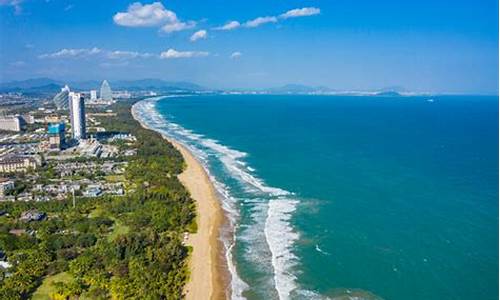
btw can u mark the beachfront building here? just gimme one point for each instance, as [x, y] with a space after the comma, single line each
[106, 93]
[12, 123]
[77, 115]
[61, 100]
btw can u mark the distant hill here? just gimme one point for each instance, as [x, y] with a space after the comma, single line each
[388, 94]
[322, 90]
[298, 89]
[29, 84]
[51, 85]
[156, 84]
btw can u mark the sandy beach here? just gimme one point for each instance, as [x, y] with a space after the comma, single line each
[207, 279]
[207, 267]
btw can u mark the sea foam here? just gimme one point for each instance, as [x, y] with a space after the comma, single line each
[270, 236]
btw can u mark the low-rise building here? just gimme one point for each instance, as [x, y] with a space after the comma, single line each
[32, 215]
[24, 197]
[92, 191]
[17, 232]
[5, 264]
[28, 118]
[8, 199]
[5, 186]
[16, 163]
[12, 123]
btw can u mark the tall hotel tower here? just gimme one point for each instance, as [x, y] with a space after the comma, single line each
[77, 115]
[106, 93]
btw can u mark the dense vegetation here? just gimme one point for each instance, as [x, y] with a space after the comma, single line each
[127, 247]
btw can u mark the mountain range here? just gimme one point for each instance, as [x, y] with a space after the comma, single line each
[49, 86]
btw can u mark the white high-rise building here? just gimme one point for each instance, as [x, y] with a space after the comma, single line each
[77, 115]
[106, 93]
[61, 99]
[93, 95]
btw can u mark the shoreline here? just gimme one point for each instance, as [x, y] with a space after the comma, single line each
[208, 272]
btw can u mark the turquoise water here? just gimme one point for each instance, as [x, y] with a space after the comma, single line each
[345, 197]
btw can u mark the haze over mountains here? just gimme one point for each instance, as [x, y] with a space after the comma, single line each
[48, 85]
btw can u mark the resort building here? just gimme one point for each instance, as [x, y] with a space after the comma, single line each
[106, 93]
[61, 100]
[12, 123]
[77, 115]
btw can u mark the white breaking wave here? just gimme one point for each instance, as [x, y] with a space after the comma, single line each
[271, 208]
[281, 238]
[146, 112]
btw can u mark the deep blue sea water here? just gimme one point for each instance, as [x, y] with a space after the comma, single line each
[345, 197]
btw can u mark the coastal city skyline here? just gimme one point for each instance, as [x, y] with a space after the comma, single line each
[420, 47]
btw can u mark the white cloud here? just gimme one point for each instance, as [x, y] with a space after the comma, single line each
[178, 26]
[16, 4]
[152, 15]
[260, 21]
[236, 55]
[300, 12]
[172, 53]
[147, 15]
[118, 54]
[293, 13]
[18, 63]
[200, 34]
[110, 58]
[229, 26]
[72, 53]
[96, 52]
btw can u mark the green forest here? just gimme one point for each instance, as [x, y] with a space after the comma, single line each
[109, 247]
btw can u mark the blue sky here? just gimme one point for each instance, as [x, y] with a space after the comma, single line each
[434, 46]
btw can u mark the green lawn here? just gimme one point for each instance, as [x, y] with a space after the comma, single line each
[47, 288]
[118, 229]
[97, 212]
[115, 178]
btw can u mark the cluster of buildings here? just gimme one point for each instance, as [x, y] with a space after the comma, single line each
[58, 140]
[16, 153]
[75, 102]
[88, 179]
[68, 169]
[62, 99]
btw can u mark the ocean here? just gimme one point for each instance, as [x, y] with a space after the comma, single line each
[337, 197]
